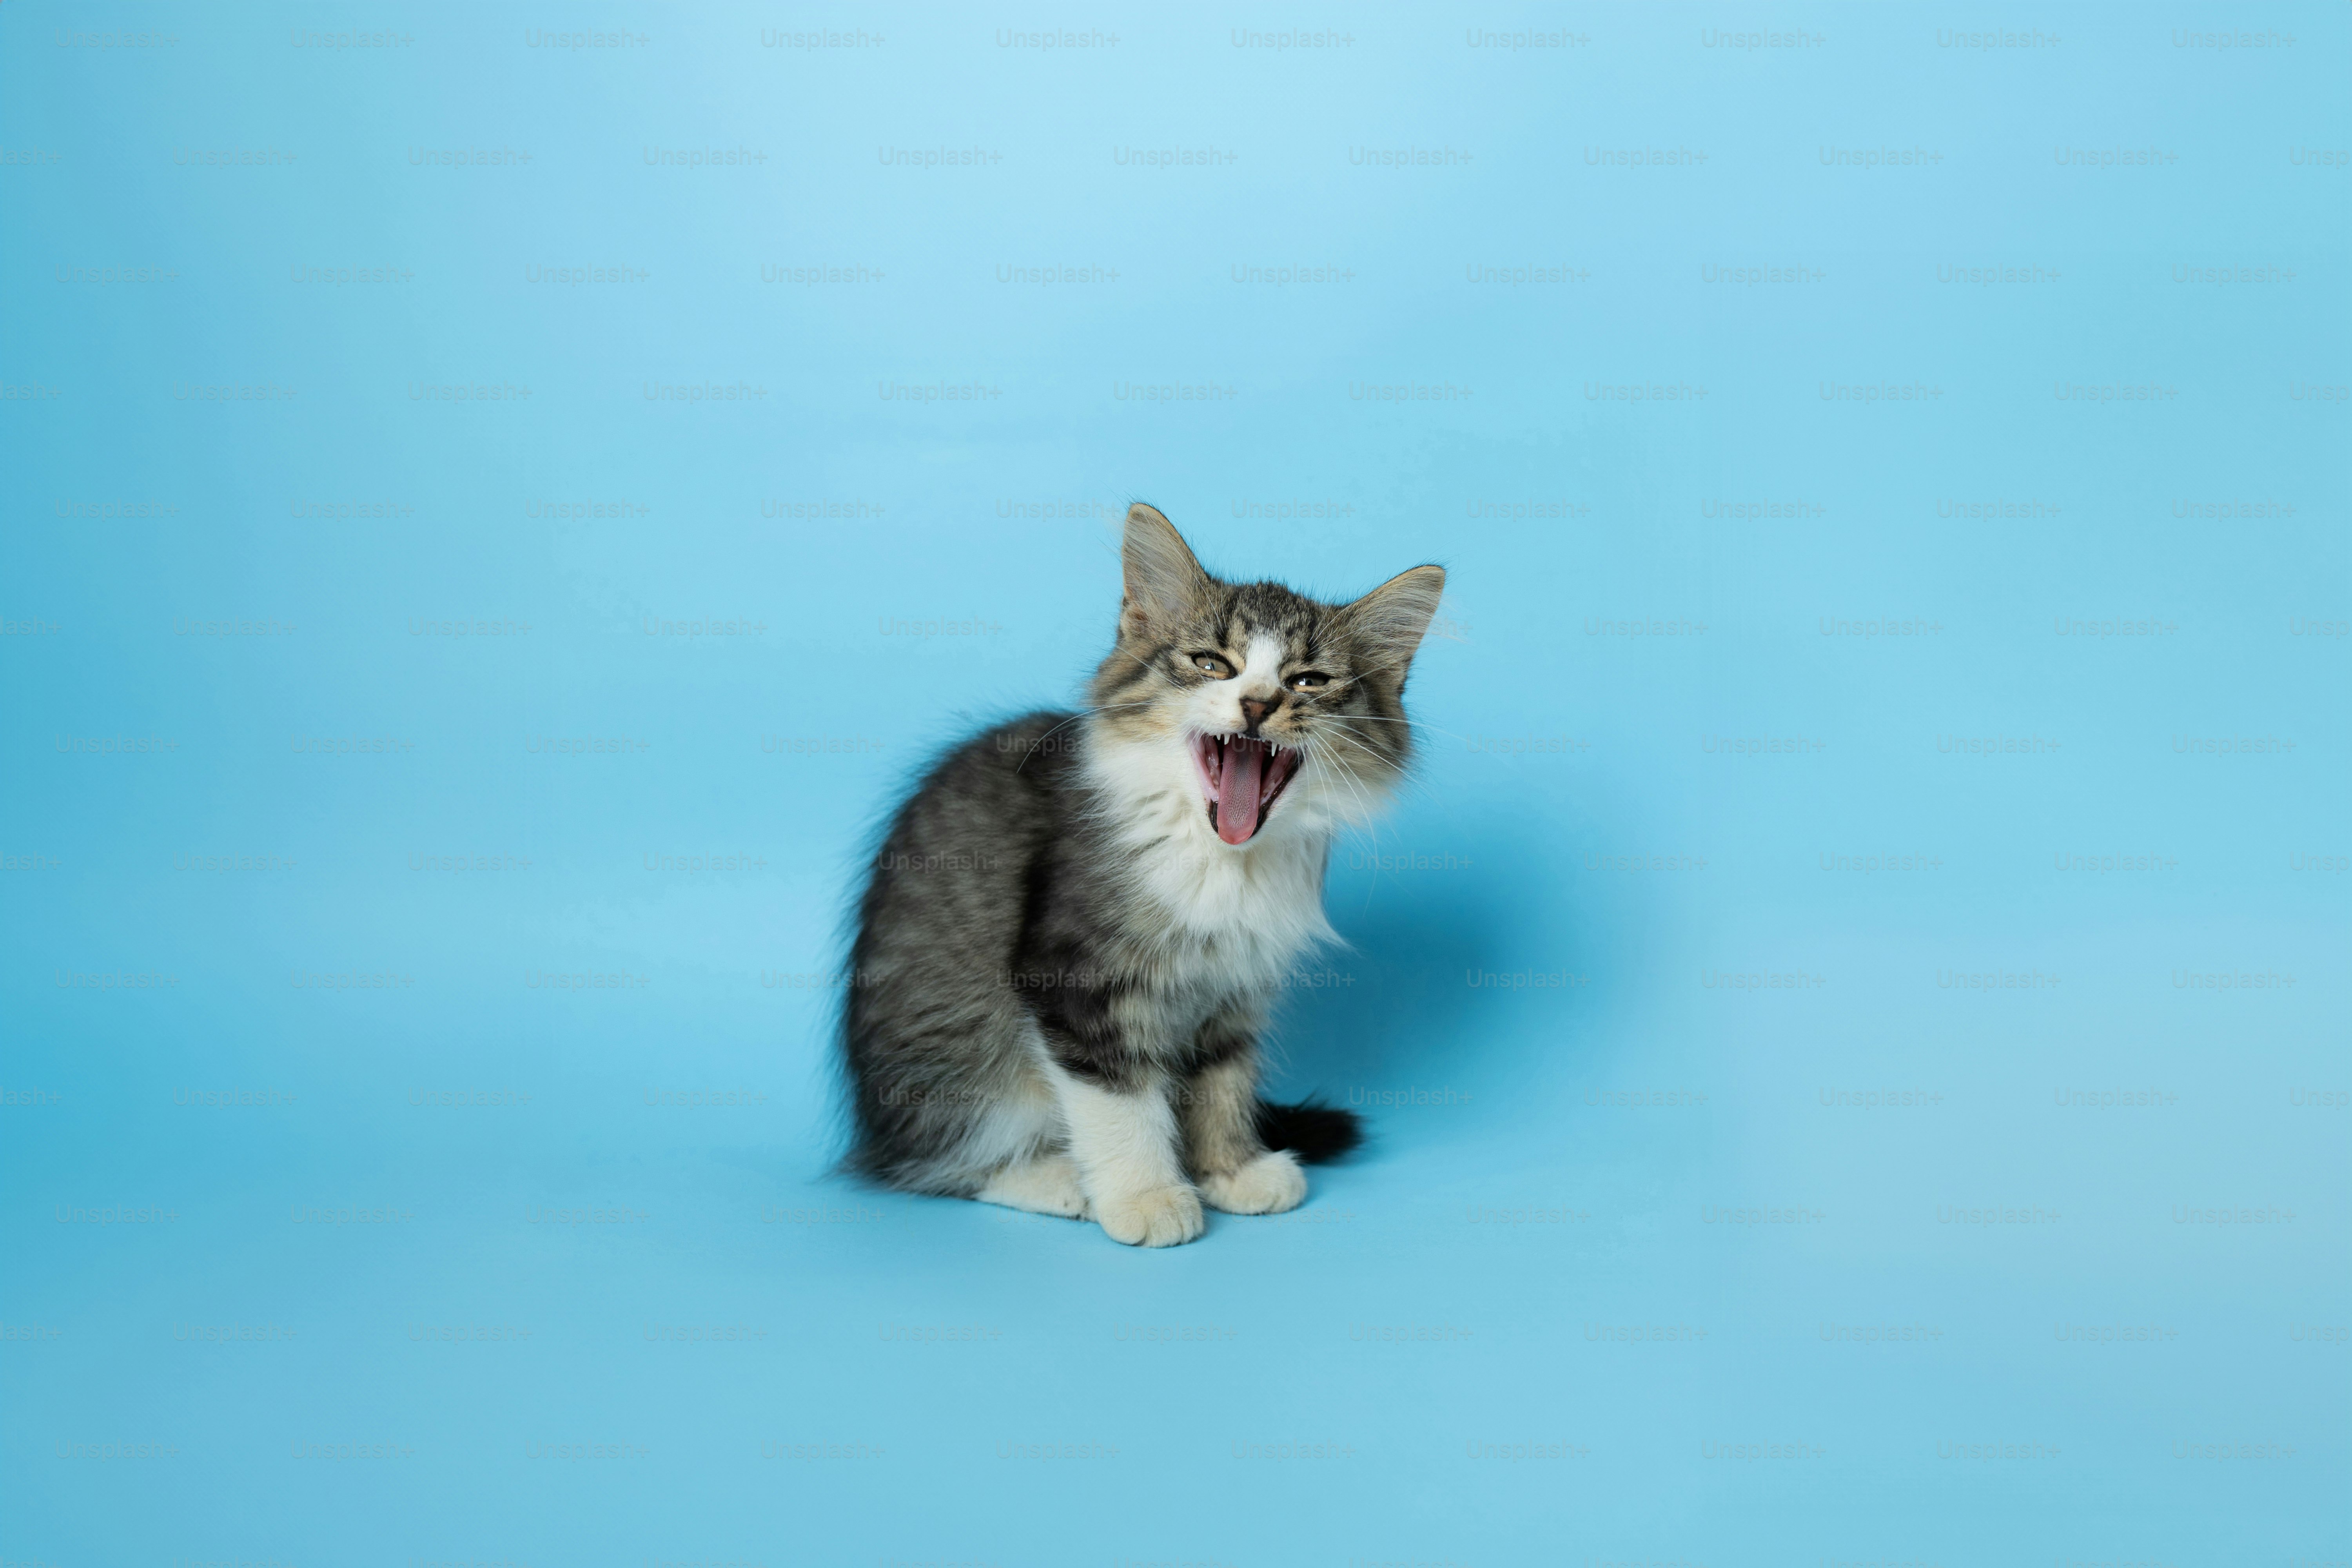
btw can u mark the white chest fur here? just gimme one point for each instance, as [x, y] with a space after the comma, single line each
[1236, 917]
[1246, 914]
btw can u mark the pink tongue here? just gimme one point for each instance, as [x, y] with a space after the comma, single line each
[1237, 791]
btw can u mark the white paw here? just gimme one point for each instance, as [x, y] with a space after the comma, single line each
[1049, 1186]
[1160, 1216]
[1270, 1184]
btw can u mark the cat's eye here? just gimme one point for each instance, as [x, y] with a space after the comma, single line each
[1210, 664]
[1308, 681]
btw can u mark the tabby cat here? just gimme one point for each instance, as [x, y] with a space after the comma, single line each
[1077, 924]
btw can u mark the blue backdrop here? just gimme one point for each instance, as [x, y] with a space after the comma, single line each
[499, 499]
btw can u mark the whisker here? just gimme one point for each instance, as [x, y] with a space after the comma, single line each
[1350, 779]
[1381, 719]
[1081, 713]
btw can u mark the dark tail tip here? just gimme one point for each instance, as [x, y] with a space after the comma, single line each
[1314, 1132]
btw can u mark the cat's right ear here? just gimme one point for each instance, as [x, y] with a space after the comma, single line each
[1164, 582]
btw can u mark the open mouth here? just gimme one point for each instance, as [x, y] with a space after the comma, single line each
[1243, 777]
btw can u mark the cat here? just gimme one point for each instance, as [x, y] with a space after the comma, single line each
[1076, 923]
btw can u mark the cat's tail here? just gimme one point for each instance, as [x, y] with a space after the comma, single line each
[1313, 1132]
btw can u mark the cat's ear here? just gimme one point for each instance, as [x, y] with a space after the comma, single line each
[1164, 582]
[1387, 622]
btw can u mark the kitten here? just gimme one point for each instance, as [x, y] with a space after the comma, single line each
[1077, 924]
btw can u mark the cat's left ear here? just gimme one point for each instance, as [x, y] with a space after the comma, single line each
[1388, 621]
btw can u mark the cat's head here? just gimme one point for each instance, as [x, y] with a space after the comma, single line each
[1248, 711]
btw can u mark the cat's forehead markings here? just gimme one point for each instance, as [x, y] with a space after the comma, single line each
[1265, 651]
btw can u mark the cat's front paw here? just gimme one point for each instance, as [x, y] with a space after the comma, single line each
[1160, 1216]
[1271, 1184]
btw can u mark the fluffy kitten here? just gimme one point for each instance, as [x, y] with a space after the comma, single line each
[1077, 922]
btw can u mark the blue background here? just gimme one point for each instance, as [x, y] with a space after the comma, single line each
[454, 1265]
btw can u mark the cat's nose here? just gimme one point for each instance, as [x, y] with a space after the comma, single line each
[1255, 708]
